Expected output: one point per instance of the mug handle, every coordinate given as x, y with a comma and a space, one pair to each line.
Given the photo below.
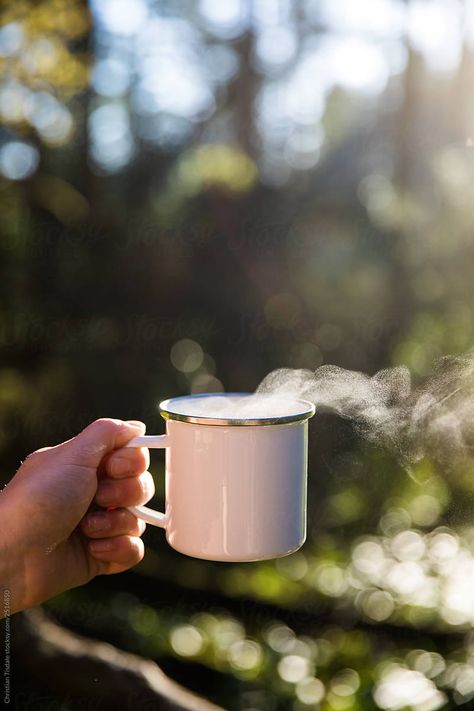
156, 518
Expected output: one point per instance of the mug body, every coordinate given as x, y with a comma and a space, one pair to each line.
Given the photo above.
236, 493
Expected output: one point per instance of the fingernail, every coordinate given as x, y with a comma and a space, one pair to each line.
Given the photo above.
98, 522
102, 546
135, 423
119, 466
106, 494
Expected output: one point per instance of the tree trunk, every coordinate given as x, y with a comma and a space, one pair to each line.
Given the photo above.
87, 673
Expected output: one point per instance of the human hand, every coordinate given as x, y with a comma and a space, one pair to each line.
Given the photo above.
56, 532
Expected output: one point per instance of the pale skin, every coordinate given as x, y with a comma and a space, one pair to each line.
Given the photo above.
57, 530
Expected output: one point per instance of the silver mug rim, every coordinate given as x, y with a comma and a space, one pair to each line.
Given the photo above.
305, 414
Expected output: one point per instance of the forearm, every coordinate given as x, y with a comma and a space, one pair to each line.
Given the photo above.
10, 591
24, 559
28, 573
12, 560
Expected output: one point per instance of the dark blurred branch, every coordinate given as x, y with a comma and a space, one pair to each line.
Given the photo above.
308, 616
78, 669
459, 101
242, 94
406, 140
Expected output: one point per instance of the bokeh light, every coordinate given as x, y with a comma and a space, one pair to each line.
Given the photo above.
186, 355
18, 160
293, 668
186, 640
400, 688
245, 655
310, 691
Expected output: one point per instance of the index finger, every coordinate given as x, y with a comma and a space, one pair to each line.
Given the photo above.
126, 462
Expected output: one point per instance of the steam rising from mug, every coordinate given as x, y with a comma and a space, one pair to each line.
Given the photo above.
436, 418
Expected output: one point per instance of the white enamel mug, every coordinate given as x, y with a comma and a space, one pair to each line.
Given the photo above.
235, 486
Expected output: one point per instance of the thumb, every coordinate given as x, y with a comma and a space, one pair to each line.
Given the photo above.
101, 437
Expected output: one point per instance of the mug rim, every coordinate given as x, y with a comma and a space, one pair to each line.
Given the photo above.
307, 412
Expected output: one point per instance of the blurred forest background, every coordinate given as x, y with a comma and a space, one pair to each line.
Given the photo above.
193, 194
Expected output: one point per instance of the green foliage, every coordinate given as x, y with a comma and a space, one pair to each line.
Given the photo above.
213, 251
